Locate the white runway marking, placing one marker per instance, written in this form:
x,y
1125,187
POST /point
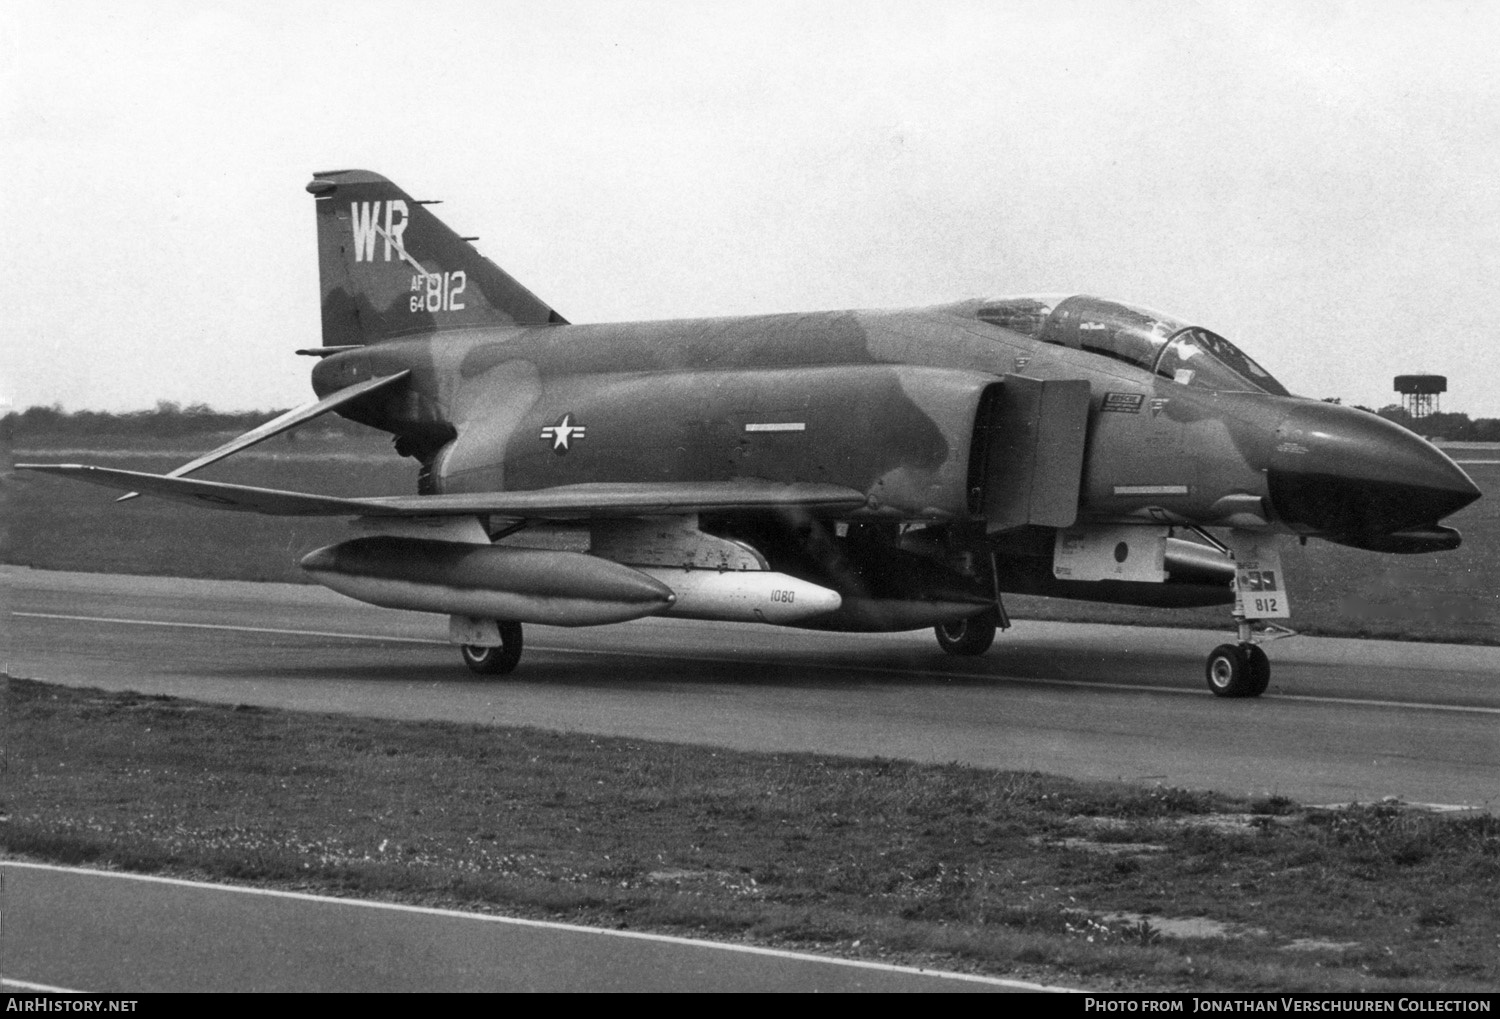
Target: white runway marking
x,y
228,626
23,985
546,924
1461,709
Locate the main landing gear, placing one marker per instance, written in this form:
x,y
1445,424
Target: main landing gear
x,y
968,637
495,661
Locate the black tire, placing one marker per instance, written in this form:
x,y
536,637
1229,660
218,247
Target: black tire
x,y
1260,670
968,637
495,661
1228,671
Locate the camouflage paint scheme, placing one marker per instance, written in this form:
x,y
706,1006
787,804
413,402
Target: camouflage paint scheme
x,y
918,462
886,401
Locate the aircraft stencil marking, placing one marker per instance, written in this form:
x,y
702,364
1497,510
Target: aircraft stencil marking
x,y
1122,403
365,222
442,290
562,433
1257,566
1151,490
1260,580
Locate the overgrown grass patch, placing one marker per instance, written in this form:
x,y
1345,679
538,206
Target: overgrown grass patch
x,y
1007,873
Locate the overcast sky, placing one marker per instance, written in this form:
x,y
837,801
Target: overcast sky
x,y
1318,182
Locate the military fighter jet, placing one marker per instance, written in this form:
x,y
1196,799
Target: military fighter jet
x,y
846,470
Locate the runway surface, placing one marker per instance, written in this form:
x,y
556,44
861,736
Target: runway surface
x,y
1344,720
100,932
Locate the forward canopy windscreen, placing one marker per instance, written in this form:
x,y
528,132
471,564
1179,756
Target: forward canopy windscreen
x,y
1197,357
1188,355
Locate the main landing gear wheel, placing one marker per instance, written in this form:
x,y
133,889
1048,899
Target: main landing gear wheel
x,y
1238,670
972,636
495,661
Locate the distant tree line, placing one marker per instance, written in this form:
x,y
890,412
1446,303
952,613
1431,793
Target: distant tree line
x,y
1443,425
166,419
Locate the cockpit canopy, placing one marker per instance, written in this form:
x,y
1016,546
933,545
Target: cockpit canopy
x,y
1190,355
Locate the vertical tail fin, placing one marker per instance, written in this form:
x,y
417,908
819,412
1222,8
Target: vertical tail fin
x,y
389,267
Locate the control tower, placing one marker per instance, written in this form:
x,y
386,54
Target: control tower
x,y
1421,394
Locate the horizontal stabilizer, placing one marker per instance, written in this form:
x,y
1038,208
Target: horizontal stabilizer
x,y
285,422
565,502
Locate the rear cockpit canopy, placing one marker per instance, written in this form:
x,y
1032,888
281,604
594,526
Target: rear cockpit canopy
x,y
1189,355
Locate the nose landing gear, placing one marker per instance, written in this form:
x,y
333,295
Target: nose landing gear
x,y
1238,670
1242,669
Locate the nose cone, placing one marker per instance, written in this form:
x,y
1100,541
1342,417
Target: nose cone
x,y
1359,479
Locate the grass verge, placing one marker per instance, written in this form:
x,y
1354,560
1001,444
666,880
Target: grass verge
x,y
1088,884
60,525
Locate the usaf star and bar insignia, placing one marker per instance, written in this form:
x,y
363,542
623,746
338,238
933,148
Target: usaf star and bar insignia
x,y
563,434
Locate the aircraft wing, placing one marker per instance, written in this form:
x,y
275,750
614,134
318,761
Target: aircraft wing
x,y
291,419
564,502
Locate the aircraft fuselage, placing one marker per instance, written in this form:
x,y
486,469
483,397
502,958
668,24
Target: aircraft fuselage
x,y
884,402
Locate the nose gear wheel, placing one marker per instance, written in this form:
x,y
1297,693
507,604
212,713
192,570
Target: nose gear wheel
x,y
1238,670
